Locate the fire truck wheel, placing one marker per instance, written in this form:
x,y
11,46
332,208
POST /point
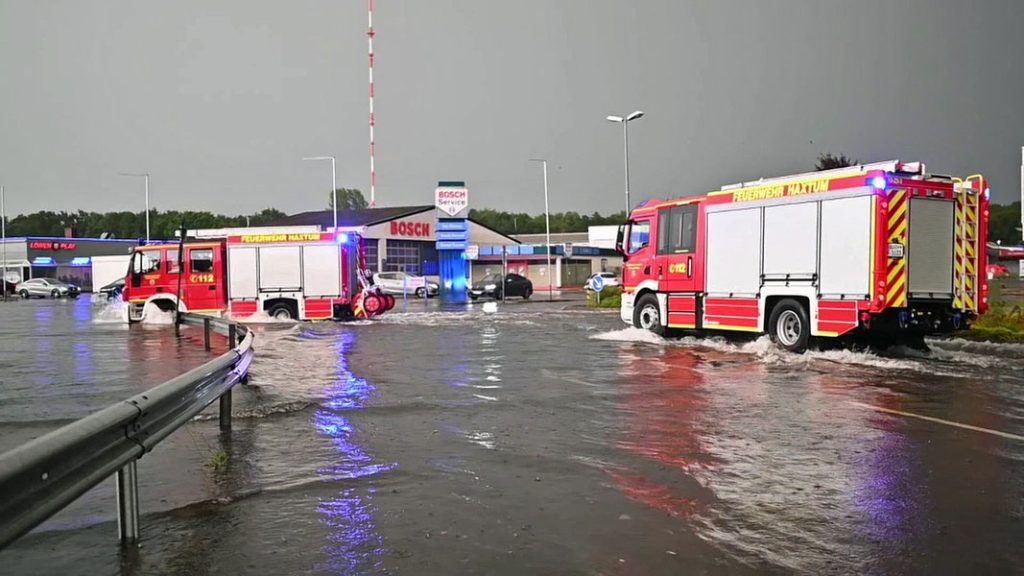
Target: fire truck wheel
x,y
281,312
647,314
789,326
390,301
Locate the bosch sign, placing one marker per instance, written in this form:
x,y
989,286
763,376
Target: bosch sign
x,y
414,229
452,201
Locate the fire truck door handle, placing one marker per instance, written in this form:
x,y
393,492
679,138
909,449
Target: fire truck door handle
x,y
213,287
689,267
661,269
159,289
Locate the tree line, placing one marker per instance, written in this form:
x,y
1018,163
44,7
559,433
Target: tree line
x,y
162,224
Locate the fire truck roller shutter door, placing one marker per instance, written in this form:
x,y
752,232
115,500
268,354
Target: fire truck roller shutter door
x,y
930,248
846,247
734,252
321,274
241,272
791,241
279,268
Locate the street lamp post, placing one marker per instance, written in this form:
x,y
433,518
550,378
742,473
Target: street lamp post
x,y
146,176
547,224
625,141
334,186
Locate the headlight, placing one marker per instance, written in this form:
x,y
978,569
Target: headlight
x,y
490,287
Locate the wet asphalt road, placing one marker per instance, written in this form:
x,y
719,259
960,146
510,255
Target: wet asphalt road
x,y
539,439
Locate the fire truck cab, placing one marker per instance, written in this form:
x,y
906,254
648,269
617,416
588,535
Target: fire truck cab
x,y
155,272
885,252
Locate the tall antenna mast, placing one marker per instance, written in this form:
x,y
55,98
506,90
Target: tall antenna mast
x,y
373,120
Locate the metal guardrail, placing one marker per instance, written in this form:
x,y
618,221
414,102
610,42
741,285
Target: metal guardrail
x,y
41,477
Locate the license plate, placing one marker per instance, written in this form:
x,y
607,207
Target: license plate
x,y
896,250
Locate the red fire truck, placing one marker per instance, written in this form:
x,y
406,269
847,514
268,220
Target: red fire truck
x,y
307,276
884,252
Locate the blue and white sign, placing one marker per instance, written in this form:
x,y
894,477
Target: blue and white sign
x,y
597,283
452,245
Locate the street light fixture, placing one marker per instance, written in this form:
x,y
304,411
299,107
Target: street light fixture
x,y
547,224
625,140
334,186
146,176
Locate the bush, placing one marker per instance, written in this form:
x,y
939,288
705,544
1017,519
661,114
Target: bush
x,y
1002,323
611,297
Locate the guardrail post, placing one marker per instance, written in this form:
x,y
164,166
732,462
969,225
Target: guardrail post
x,y
128,503
225,411
232,335
206,333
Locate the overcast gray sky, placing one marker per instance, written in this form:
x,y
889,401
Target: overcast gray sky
x,y
220,100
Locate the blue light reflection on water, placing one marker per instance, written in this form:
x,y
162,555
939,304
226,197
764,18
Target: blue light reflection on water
x,y
353,545
889,494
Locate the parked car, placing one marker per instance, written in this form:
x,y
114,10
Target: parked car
x,y
998,270
46,288
399,282
610,279
113,290
491,285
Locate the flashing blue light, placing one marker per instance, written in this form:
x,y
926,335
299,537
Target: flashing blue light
x,y
42,261
988,193
342,238
80,261
879,182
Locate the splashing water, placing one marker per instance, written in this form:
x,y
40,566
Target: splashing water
x,y
110,311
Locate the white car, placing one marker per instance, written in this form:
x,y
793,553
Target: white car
x,y
609,278
402,283
46,288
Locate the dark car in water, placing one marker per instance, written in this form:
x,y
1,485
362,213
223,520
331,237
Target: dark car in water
x,y
113,290
492,285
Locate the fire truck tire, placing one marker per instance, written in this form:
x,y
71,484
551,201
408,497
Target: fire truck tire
x,y
647,314
281,311
789,326
390,300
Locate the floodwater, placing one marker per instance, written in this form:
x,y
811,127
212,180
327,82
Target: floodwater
x,y
540,439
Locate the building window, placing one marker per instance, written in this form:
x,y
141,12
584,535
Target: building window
x,y
370,249
403,256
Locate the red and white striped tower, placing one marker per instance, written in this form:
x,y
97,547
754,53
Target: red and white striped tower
x,y
373,120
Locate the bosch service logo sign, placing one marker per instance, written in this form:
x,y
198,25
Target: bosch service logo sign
x,y
451,201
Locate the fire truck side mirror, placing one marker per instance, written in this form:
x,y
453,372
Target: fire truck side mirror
x,y
619,238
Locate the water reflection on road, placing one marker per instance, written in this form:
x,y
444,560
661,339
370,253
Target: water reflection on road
x,y
541,440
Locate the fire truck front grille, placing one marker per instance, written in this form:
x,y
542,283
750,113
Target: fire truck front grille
x,y
930,249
